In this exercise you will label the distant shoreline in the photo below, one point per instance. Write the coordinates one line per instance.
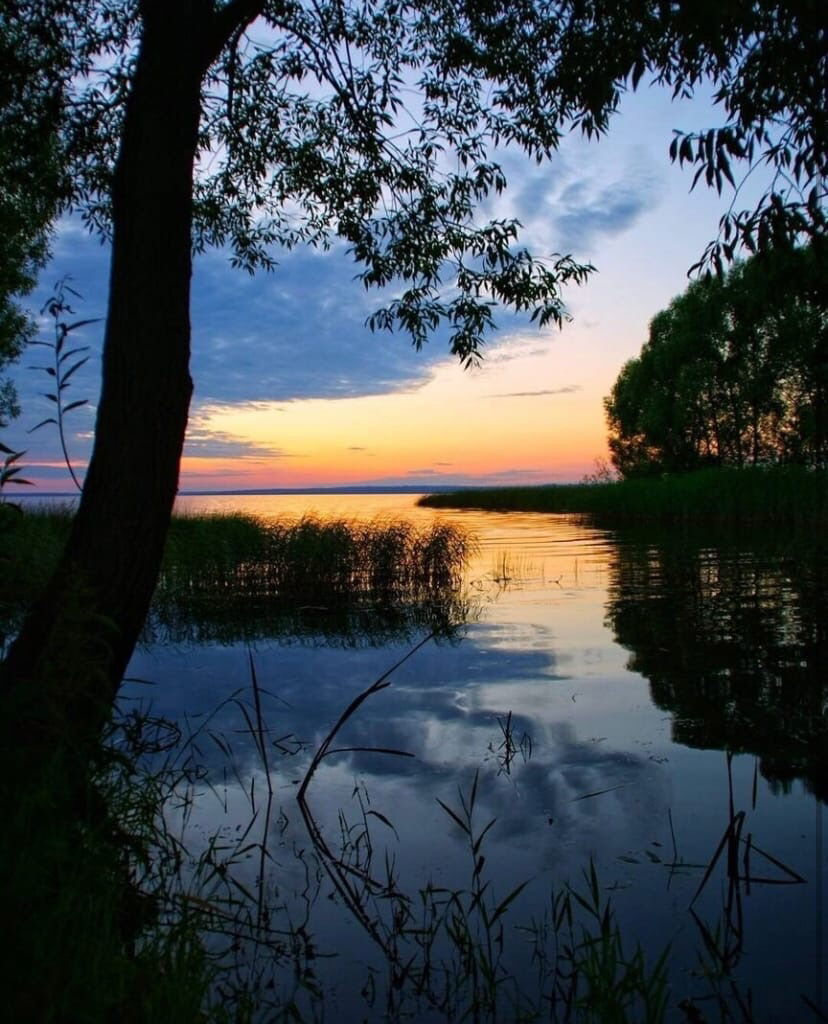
(399, 489)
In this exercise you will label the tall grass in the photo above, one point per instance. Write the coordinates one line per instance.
(790, 496)
(233, 576)
(312, 559)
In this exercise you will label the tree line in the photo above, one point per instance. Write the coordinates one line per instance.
(734, 372)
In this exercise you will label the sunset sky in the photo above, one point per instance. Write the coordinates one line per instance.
(293, 390)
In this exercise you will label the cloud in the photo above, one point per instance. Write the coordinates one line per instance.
(568, 390)
(432, 476)
(299, 332)
(574, 203)
(596, 213)
(219, 444)
(355, 448)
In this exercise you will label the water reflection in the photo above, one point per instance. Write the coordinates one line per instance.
(734, 642)
(180, 617)
(728, 640)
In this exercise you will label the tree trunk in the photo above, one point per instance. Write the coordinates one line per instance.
(64, 669)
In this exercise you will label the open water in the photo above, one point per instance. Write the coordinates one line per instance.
(652, 705)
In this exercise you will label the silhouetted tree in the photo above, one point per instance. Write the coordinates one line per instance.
(735, 372)
(253, 124)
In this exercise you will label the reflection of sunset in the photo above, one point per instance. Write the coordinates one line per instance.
(517, 418)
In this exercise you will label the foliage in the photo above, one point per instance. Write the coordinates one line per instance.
(377, 123)
(31, 172)
(84, 899)
(735, 372)
(768, 65)
(9, 469)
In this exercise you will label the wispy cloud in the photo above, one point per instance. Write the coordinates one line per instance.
(220, 444)
(568, 390)
(571, 205)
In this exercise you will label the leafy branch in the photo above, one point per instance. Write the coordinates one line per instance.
(9, 471)
(65, 363)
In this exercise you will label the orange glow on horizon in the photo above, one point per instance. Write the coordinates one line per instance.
(518, 418)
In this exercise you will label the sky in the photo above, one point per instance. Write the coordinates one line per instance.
(293, 390)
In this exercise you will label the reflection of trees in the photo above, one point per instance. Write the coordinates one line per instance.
(734, 642)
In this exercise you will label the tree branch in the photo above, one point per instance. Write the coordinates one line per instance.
(228, 22)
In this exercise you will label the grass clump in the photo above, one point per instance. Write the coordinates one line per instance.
(234, 576)
(309, 558)
(790, 496)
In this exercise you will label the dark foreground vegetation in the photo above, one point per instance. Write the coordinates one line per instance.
(790, 497)
(230, 577)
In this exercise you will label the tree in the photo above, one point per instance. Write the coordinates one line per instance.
(253, 124)
(31, 183)
(735, 372)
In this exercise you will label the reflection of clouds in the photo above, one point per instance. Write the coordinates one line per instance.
(443, 707)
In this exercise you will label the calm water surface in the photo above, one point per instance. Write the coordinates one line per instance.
(626, 671)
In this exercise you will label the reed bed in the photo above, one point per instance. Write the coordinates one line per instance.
(232, 576)
(310, 559)
(785, 496)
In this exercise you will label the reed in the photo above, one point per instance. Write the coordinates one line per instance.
(234, 576)
(790, 496)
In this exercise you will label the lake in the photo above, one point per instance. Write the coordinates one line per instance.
(652, 706)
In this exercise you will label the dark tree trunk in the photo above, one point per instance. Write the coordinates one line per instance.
(63, 671)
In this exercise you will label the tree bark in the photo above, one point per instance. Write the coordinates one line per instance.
(63, 671)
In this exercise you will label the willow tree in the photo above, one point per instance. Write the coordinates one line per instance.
(257, 124)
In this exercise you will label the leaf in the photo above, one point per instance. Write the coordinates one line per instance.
(504, 904)
(65, 377)
(453, 815)
(383, 819)
(480, 838)
(73, 352)
(74, 405)
(43, 423)
(82, 323)
(5, 478)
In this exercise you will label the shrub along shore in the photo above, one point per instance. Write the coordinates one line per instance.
(784, 496)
